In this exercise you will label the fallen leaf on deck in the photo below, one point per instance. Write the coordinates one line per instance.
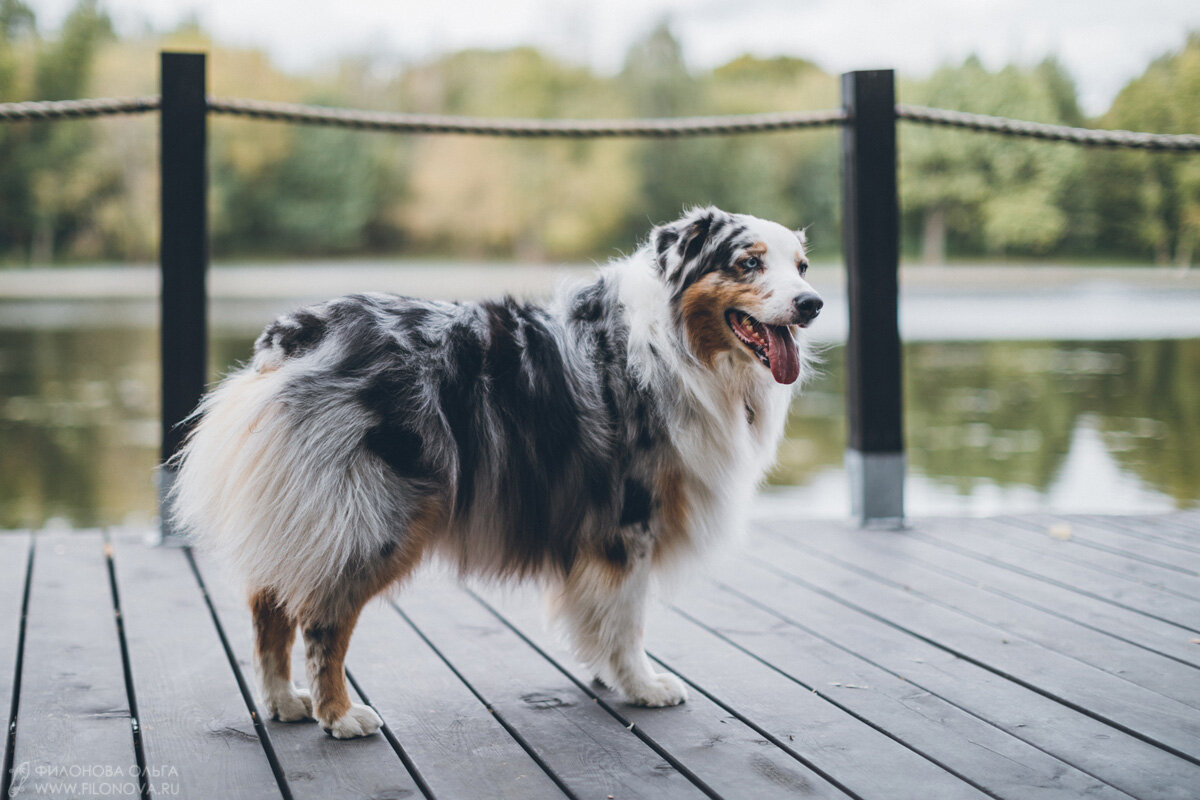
(1060, 531)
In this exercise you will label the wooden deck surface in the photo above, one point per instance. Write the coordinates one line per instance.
(1025, 657)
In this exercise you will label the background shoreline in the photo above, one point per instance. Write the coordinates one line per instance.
(1001, 302)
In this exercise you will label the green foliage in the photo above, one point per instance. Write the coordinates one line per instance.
(984, 193)
(1154, 199)
(47, 200)
(88, 190)
(321, 196)
(658, 84)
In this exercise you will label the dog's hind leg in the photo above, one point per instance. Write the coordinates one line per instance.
(603, 606)
(274, 634)
(327, 620)
(325, 644)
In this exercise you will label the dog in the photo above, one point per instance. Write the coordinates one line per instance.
(588, 444)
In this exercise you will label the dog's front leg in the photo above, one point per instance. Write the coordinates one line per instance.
(604, 608)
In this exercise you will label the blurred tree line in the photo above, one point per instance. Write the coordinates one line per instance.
(87, 190)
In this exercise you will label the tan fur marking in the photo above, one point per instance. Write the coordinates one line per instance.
(326, 648)
(704, 304)
(423, 527)
(274, 634)
(758, 249)
(673, 511)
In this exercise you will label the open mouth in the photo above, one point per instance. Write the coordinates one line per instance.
(773, 345)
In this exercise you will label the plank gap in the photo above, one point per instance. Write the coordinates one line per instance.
(10, 744)
(1037, 528)
(618, 716)
(986, 559)
(761, 731)
(504, 723)
(825, 697)
(139, 752)
(264, 736)
(979, 585)
(388, 734)
(984, 665)
(904, 678)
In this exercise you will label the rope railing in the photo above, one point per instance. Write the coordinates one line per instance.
(665, 127)
(77, 109)
(1090, 137)
(526, 128)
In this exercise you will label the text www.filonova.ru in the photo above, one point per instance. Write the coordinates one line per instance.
(93, 780)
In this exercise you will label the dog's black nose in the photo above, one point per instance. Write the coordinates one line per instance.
(808, 305)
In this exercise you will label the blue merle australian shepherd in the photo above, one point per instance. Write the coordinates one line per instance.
(587, 444)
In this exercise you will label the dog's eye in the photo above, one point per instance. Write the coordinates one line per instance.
(751, 263)
(802, 265)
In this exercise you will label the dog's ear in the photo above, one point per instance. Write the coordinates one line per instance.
(802, 235)
(678, 243)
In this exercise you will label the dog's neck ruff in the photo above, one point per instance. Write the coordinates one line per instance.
(708, 406)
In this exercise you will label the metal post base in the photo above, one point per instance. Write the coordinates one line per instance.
(876, 488)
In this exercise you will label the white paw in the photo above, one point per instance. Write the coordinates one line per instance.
(358, 721)
(662, 689)
(289, 705)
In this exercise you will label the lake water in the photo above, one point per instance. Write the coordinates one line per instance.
(991, 426)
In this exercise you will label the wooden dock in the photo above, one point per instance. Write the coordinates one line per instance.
(1025, 657)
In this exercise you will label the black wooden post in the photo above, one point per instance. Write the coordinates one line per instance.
(871, 235)
(183, 251)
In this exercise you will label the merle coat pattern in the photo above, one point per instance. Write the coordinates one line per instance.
(586, 444)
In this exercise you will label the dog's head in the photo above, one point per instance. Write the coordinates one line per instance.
(737, 285)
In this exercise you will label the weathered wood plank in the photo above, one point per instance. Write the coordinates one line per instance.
(728, 755)
(1187, 519)
(972, 748)
(1162, 720)
(1084, 533)
(1182, 527)
(979, 539)
(316, 765)
(1186, 522)
(1037, 537)
(1124, 761)
(1010, 717)
(861, 555)
(196, 729)
(14, 560)
(885, 550)
(74, 707)
(583, 745)
(1160, 529)
(458, 746)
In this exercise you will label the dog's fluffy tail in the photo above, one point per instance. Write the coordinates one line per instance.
(287, 501)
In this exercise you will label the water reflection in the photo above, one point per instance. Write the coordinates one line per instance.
(1006, 426)
(1000, 426)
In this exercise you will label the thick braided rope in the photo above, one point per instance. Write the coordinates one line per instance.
(77, 109)
(1057, 133)
(525, 128)
(600, 128)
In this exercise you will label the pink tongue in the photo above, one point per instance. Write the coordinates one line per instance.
(782, 352)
